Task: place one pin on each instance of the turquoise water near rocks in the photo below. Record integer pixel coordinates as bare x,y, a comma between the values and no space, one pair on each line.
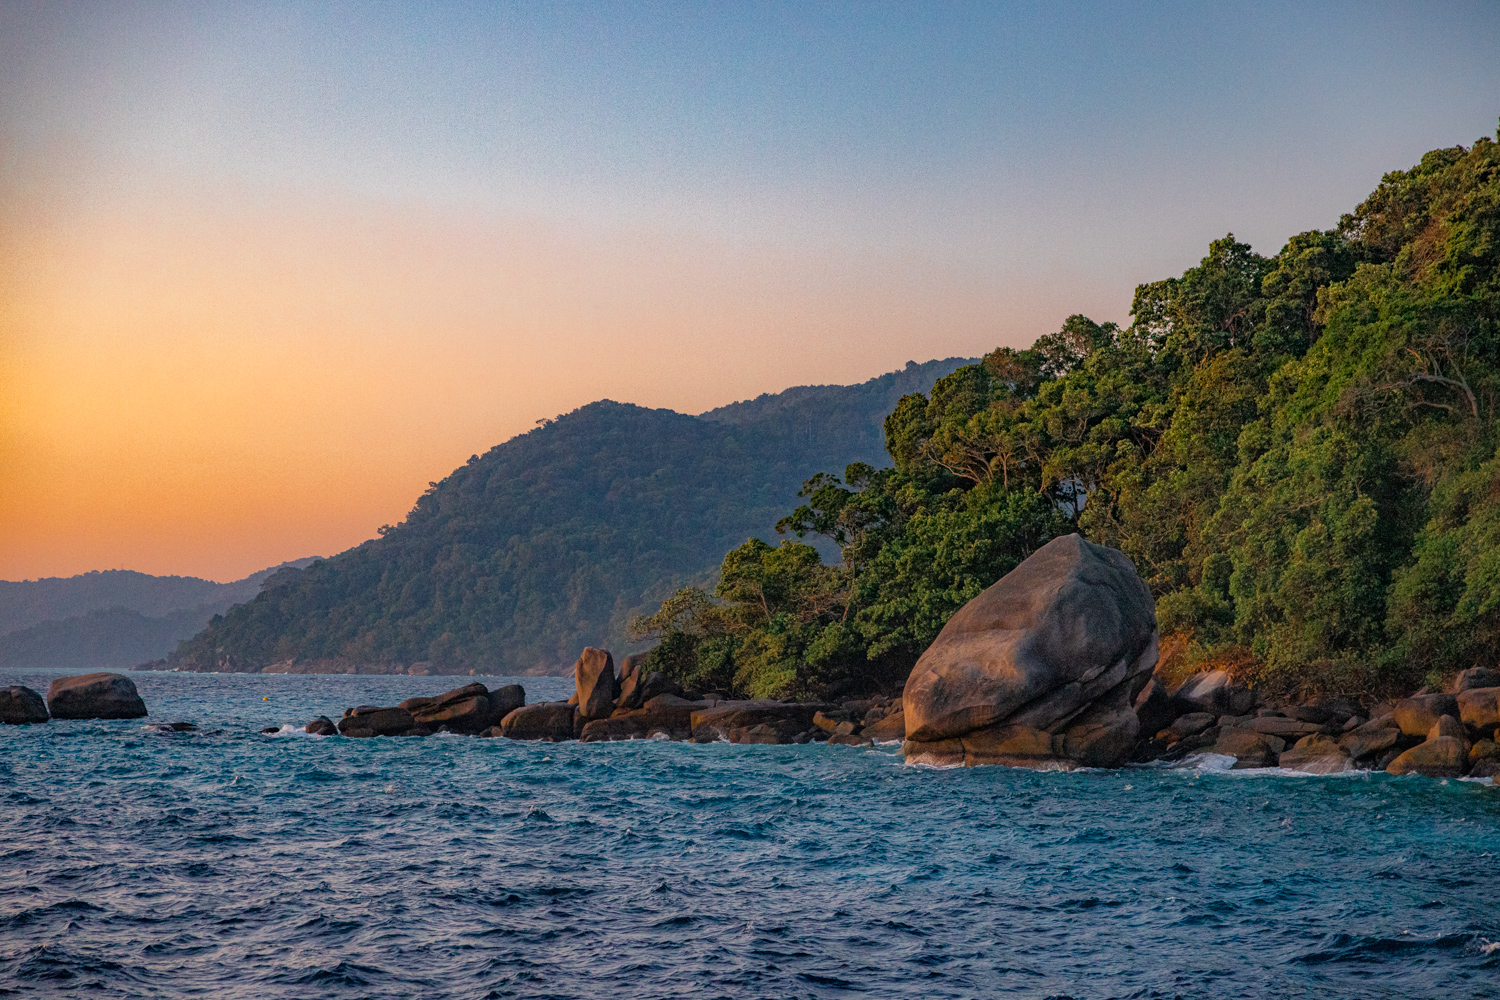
226,863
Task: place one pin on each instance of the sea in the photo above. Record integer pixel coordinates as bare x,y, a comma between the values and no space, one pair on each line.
230,863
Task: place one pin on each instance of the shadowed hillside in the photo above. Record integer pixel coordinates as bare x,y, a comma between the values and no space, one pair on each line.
111,619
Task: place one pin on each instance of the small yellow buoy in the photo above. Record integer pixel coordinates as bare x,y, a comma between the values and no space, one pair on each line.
267,698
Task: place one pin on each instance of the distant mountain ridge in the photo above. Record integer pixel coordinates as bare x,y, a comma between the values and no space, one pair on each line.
556,538
113,618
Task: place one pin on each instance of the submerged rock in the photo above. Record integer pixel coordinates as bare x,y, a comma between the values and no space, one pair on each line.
21,706
1060,645
743,721
95,696
1248,748
321,726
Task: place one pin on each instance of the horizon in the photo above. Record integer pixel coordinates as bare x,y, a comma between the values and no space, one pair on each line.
269,270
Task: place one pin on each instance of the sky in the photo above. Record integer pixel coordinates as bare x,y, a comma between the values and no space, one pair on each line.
266,270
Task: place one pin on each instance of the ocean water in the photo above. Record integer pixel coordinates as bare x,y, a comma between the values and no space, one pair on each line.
225,863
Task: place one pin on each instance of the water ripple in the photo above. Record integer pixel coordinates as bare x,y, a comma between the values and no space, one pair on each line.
229,864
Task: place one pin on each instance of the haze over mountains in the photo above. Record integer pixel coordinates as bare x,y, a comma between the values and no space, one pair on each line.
111,619
557,538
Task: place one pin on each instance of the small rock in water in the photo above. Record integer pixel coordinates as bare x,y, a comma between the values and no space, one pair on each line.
321,726
21,706
271,729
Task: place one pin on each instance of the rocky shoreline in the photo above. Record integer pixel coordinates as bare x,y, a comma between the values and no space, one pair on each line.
1446,735
1052,668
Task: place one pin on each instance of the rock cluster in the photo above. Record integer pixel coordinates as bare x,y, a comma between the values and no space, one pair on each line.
1416,735
630,704
471,710
85,696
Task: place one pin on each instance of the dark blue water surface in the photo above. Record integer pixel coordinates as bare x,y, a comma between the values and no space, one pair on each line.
226,863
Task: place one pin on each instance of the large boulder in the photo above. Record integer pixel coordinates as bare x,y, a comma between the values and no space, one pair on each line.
1419,713
505,701
1316,754
1280,725
463,710
1476,677
1444,757
1011,746
892,727
631,676
1213,691
95,696
1072,626
1104,734
1445,754
597,686
371,720
1155,708
669,713
547,720
20,706
1187,725
1479,707
1370,738
654,685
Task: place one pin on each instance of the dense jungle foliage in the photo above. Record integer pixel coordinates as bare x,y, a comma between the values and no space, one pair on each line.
1299,452
557,538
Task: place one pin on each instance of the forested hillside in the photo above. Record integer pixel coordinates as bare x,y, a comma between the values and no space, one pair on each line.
1298,451
557,538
